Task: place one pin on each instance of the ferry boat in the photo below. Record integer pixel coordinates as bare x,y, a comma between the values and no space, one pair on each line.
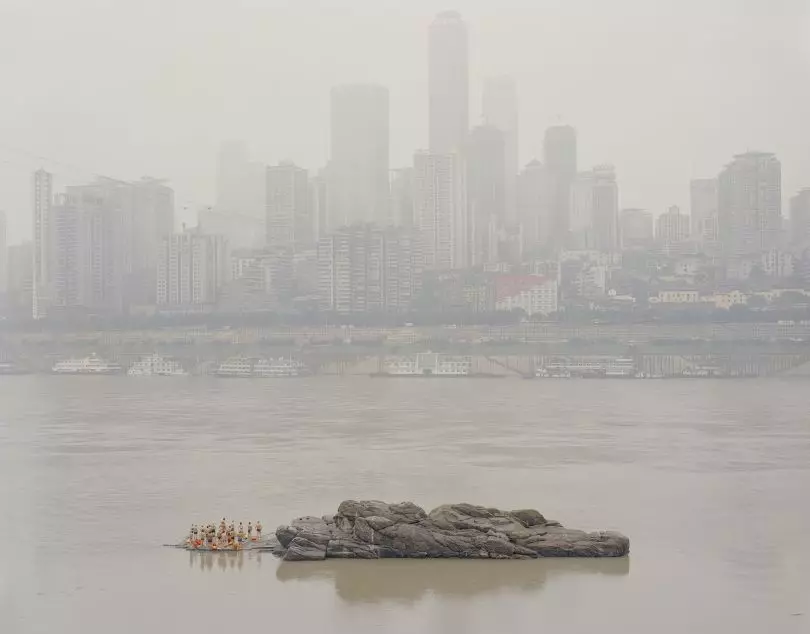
247,368
430,365
88,365
155,365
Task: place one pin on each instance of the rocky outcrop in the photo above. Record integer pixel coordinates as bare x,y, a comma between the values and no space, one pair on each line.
376,530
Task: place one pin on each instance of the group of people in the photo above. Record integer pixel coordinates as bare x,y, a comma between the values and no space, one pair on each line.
223,536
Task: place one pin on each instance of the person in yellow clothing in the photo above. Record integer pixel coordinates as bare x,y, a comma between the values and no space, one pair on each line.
258,530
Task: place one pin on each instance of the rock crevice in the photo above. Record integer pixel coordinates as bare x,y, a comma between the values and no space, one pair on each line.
377,530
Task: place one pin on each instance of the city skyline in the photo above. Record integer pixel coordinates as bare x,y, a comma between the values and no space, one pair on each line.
544,83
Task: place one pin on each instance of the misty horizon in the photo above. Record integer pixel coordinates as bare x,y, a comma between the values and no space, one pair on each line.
182,78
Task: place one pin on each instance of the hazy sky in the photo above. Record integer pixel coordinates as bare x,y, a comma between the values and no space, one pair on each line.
664,89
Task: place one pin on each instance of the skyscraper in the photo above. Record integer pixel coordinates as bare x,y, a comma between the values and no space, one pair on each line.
358,170
288,218
89,250
501,111
671,229
449,83
594,210
440,210
43,196
485,157
703,209
750,204
560,158
192,268
535,200
800,219
148,205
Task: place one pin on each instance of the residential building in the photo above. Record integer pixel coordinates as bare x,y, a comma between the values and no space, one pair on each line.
288,222
560,160
777,263
500,106
671,229
594,210
677,296
486,191
358,169
636,228
89,250
43,197
535,194
448,83
363,268
703,198
440,210
800,219
192,268
750,204
531,293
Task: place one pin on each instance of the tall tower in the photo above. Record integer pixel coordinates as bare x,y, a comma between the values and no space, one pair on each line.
440,210
358,171
43,195
501,111
486,190
800,219
560,155
750,204
288,218
449,83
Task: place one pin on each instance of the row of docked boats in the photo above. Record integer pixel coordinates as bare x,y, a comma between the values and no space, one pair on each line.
157,365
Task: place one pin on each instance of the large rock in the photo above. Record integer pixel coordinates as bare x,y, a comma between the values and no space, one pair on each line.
376,530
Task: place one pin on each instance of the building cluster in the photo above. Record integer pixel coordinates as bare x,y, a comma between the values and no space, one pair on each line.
463,227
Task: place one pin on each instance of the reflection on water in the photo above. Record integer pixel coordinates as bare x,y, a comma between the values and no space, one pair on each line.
206,560
410,580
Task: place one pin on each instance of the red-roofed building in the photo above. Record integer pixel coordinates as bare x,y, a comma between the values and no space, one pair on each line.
533,293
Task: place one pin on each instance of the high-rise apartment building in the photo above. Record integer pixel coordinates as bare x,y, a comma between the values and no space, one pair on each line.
560,159
501,111
449,83
800,219
440,210
594,210
535,203
485,158
289,223
43,197
363,268
192,269
703,199
671,229
358,169
636,228
89,250
750,204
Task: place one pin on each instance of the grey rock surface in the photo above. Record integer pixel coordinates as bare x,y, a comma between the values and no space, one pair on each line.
377,530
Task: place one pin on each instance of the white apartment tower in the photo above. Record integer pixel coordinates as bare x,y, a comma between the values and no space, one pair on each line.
43,196
287,204
440,210
449,83
192,268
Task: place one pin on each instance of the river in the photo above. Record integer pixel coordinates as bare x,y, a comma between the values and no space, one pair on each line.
710,479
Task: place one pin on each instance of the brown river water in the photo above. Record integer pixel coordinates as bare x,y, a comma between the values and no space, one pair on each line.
710,479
